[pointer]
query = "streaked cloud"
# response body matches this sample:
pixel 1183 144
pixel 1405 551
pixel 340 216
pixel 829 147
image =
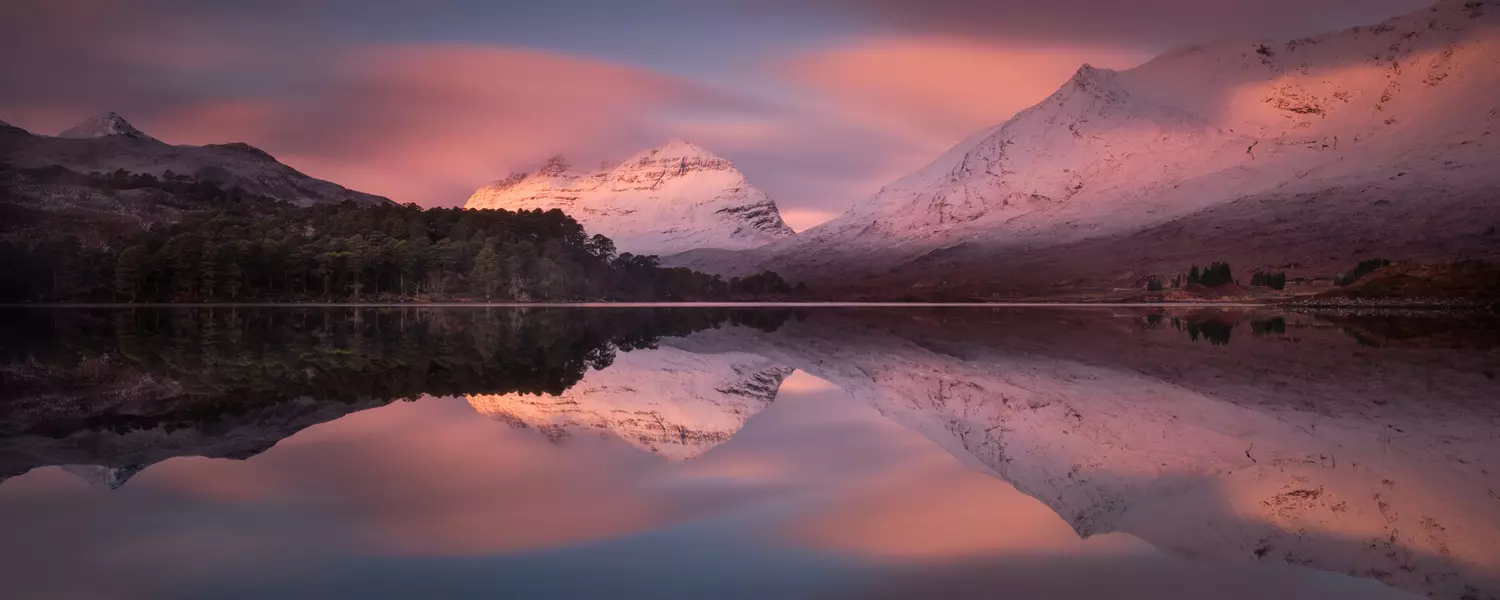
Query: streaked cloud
pixel 1152 25
pixel 934 91
pixel 430 123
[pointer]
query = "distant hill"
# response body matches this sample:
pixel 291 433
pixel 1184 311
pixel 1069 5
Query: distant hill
pixel 104 176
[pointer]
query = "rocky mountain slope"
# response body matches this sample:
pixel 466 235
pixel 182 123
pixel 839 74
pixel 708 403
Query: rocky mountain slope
pixel 671 402
pixel 47 183
pixel 666 200
pixel 1299 155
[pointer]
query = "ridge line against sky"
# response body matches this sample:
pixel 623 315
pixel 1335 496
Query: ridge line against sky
pixel 818 102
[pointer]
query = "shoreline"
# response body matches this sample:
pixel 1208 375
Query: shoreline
pixel 624 304
pixel 1427 305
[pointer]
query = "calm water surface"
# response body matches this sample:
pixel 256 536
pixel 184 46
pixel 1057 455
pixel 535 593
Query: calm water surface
pixel 1124 452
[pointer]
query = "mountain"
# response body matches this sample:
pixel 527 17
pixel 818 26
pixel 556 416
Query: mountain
pixel 667 401
pixel 91 180
pixel 102 125
pixel 1303 156
pixel 666 200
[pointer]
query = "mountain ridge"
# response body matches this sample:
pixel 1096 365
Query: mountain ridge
pixel 1375 116
pixel 55 184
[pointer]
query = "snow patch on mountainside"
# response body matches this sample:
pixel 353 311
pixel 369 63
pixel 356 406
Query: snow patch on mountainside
pixel 673 403
pixel 669 199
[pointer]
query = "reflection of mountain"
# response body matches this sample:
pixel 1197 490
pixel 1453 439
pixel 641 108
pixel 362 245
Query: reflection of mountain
pixel 1348 444
pixel 110 477
pixel 111 456
pixel 1303 447
pixel 121 390
pixel 667 401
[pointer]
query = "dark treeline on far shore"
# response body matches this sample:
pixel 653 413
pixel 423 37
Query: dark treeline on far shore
pixel 261 250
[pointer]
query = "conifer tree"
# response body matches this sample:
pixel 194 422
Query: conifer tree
pixel 486 273
pixel 128 269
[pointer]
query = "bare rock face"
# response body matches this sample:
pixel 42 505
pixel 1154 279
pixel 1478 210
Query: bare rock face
pixel 667 401
pixel 669 199
pixel 1377 125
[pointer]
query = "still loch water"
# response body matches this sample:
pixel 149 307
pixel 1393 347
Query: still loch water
pixel 748 453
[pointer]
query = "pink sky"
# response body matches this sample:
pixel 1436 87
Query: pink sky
pixel 820 103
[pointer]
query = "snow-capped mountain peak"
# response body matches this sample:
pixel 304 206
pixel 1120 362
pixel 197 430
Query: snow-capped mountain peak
pixel 677 149
pixel 554 166
pixel 1407 104
pixel 104 124
pixel 669 199
pixel 1089 77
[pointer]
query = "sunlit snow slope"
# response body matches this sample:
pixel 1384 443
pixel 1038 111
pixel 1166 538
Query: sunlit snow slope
pixel 669 199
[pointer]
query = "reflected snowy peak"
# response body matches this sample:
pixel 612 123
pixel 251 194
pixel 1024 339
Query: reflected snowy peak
pixel 664 400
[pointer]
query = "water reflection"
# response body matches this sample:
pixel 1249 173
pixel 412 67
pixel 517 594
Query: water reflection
pixel 124 389
pixel 668 401
pixel 1038 452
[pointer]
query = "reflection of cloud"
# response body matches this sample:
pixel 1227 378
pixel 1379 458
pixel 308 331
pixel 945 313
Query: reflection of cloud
pixel 425 496
pixel 931 506
pixel 428 477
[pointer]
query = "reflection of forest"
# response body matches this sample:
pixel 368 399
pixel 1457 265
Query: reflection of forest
pixel 80 378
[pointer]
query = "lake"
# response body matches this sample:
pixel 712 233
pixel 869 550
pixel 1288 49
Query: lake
pixel 736 452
